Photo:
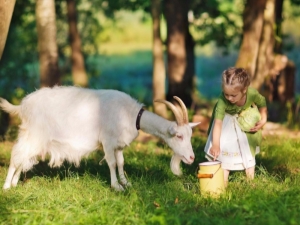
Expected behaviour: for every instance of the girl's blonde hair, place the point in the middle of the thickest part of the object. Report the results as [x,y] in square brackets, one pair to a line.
[236,77]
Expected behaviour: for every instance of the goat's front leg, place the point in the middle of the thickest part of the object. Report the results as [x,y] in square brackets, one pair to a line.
[120,163]
[111,161]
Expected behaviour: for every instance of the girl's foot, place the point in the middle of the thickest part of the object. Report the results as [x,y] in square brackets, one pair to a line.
[250,173]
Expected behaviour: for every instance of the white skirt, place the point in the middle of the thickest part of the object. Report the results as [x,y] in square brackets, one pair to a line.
[235,152]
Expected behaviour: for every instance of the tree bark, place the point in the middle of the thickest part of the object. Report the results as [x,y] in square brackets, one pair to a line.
[47,46]
[78,68]
[159,71]
[279,84]
[180,51]
[6,11]
[266,45]
[252,31]
[283,81]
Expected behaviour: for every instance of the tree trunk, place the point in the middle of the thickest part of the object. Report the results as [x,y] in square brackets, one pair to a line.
[6,11]
[266,45]
[252,31]
[180,50]
[78,68]
[279,85]
[159,72]
[283,83]
[47,46]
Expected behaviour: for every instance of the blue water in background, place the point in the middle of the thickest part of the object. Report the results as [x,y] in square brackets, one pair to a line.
[132,73]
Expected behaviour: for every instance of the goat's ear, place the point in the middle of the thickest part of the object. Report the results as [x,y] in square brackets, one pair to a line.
[172,130]
[194,124]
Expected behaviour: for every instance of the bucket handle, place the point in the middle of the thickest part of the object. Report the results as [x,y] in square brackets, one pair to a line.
[205,175]
[208,175]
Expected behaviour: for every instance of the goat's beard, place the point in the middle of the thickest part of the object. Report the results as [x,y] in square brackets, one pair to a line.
[175,165]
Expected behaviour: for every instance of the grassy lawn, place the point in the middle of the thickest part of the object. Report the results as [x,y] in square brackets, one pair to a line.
[82,195]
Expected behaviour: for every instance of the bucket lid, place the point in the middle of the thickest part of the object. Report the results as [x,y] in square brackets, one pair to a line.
[209,163]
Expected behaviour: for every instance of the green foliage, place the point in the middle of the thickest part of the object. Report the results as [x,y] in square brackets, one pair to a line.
[18,66]
[295,2]
[82,195]
[218,21]
[293,116]
[110,6]
[116,42]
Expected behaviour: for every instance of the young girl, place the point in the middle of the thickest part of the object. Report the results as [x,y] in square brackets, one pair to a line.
[226,142]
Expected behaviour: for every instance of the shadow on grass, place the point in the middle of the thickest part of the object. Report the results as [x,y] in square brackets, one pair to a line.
[91,166]
[137,164]
[88,165]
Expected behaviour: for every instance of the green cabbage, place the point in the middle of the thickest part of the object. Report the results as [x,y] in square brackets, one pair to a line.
[248,118]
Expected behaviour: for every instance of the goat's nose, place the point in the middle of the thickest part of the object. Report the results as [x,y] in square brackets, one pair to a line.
[192,158]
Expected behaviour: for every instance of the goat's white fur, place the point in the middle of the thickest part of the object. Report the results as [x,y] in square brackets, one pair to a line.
[68,123]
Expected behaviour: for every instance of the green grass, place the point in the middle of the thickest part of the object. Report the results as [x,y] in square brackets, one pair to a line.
[70,195]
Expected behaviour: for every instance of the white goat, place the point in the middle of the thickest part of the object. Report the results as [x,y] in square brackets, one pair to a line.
[68,123]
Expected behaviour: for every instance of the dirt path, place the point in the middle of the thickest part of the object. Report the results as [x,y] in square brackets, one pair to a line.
[276,129]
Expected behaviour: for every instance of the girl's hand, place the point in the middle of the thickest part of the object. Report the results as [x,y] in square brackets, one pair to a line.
[258,126]
[262,122]
[215,151]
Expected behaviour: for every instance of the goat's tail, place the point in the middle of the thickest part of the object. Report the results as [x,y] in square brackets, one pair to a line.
[9,108]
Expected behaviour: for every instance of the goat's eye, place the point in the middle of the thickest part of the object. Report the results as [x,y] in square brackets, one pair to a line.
[179,136]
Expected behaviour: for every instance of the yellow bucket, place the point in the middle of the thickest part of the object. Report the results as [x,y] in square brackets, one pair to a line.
[211,178]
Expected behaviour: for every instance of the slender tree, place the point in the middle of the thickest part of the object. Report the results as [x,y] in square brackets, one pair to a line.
[281,82]
[265,56]
[78,68]
[47,46]
[6,11]
[180,51]
[253,19]
[159,72]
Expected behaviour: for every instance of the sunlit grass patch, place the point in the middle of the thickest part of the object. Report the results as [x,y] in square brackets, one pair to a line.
[70,195]
[281,156]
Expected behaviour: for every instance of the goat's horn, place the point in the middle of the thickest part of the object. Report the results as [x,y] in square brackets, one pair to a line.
[184,110]
[177,114]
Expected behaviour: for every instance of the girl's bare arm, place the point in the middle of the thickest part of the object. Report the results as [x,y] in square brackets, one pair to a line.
[216,135]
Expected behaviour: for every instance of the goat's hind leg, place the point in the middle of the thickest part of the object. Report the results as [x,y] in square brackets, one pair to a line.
[10,174]
[18,162]
[16,177]
[120,163]
[12,168]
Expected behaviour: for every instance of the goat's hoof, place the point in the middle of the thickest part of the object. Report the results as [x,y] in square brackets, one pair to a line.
[117,187]
[126,184]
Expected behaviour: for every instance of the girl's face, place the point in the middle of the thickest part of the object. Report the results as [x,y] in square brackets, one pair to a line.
[235,95]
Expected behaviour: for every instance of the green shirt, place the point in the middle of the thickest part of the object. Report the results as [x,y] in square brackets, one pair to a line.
[224,106]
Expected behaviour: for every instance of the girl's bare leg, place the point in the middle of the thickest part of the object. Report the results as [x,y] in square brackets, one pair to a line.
[226,175]
[250,173]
